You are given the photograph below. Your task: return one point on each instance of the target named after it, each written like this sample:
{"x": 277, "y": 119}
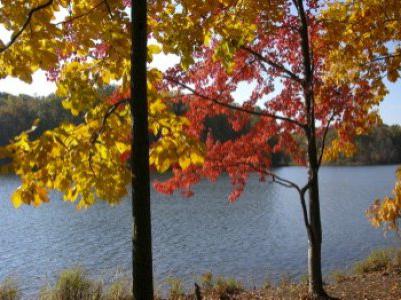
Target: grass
{"x": 176, "y": 290}
{"x": 9, "y": 290}
{"x": 380, "y": 273}
{"x": 73, "y": 284}
{"x": 338, "y": 276}
{"x": 378, "y": 260}
{"x": 119, "y": 290}
{"x": 220, "y": 287}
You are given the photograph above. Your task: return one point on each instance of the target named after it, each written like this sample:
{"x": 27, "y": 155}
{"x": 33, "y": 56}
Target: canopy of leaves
{"x": 224, "y": 44}
{"x": 84, "y": 46}
{"x": 259, "y": 45}
{"x": 366, "y": 36}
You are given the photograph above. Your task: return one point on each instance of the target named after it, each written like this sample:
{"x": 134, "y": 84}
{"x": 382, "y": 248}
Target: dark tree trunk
{"x": 141, "y": 234}
{"x": 316, "y": 289}
{"x": 314, "y": 226}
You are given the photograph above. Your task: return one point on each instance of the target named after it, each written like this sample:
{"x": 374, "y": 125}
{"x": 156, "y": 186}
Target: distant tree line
{"x": 381, "y": 146}
{"x": 17, "y": 113}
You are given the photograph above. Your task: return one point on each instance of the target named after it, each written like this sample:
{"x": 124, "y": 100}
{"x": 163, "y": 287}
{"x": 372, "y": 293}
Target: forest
{"x": 381, "y": 145}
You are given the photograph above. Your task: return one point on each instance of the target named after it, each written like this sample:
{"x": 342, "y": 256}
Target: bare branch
{"x": 25, "y": 25}
{"x": 290, "y": 184}
{"x": 234, "y": 107}
{"x": 326, "y": 130}
{"x": 275, "y": 65}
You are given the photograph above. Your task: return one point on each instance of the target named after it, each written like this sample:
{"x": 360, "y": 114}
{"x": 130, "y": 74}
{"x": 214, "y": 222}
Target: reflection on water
{"x": 259, "y": 236}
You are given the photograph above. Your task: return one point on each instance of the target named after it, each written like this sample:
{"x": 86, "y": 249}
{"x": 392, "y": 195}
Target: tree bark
{"x": 142, "y": 272}
{"x": 315, "y": 287}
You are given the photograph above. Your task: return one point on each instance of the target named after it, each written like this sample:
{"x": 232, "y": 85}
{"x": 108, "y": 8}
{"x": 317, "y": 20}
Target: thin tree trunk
{"x": 142, "y": 272}
{"x": 316, "y": 289}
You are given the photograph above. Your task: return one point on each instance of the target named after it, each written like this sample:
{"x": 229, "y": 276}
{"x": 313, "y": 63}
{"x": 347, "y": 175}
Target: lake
{"x": 260, "y": 236}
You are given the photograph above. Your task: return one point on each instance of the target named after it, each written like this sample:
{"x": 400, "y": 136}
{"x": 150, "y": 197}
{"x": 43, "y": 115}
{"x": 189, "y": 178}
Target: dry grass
{"x": 9, "y": 290}
{"x": 378, "y": 260}
{"x": 377, "y": 277}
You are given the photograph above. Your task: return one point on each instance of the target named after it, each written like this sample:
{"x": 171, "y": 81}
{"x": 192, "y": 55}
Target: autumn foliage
{"x": 283, "y": 73}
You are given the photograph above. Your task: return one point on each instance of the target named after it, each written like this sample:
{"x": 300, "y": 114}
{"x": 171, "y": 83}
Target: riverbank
{"x": 376, "y": 277}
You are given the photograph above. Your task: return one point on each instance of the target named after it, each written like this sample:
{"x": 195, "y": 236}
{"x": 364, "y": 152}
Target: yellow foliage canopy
{"x": 85, "y": 47}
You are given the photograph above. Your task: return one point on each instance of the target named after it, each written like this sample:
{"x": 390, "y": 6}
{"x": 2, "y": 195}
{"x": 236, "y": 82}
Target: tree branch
{"x": 234, "y": 107}
{"x": 25, "y": 25}
{"x": 290, "y": 184}
{"x": 106, "y": 2}
{"x": 106, "y": 116}
{"x": 73, "y": 18}
{"x": 326, "y": 130}
{"x": 275, "y": 65}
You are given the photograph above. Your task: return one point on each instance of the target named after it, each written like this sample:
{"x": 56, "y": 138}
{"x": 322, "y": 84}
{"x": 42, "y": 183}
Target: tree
{"x": 222, "y": 44}
{"x": 369, "y": 45}
{"x": 280, "y": 50}
{"x": 142, "y": 231}
{"x": 89, "y": 161}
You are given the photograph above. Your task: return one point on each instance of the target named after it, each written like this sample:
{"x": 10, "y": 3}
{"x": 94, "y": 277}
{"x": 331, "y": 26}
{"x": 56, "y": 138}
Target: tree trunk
{"x": 141, "y": 234}
{"x": 316, "y": 289}
{"x": 314, "y": 226}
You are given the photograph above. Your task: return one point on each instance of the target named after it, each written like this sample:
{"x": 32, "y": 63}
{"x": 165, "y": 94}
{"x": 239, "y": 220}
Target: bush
{"x": 73, "y": 284}
{"x": 378, "y": 260}
{"x": 9, "y": 290}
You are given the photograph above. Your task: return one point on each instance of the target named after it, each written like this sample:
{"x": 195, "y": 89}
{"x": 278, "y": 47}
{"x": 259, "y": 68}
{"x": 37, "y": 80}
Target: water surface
{"x": 259, "y": 236}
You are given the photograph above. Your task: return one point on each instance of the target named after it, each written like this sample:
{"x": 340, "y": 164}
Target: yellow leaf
{"x": 184, "y": 162}
{"x": 16, "y": 198}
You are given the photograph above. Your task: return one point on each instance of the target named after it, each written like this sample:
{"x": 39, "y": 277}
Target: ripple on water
{"x": 259, "y": 236}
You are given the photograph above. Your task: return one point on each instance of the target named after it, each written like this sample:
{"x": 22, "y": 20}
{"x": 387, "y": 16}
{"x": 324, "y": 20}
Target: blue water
{"x": 260, "y": 236}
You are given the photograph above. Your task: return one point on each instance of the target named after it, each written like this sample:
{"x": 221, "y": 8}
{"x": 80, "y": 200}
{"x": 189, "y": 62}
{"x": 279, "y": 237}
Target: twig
{"x": 26, "y": 23}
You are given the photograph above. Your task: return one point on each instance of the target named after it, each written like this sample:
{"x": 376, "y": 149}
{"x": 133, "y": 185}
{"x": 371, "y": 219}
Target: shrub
{"x": 9, "y": 290}
{"x": 378, "y": 260}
